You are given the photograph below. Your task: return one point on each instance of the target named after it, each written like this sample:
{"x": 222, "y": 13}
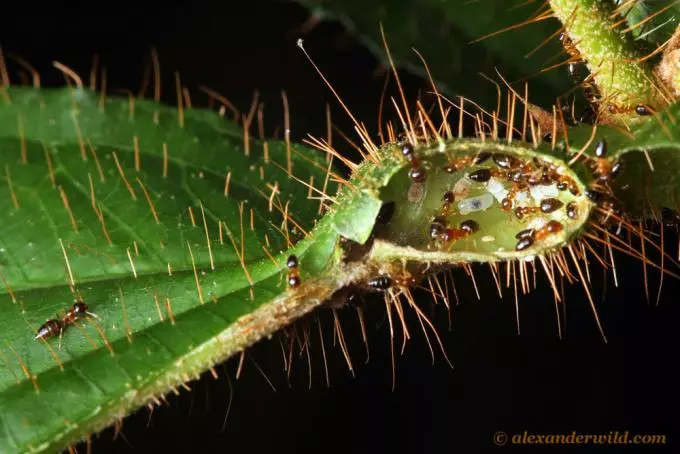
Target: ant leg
{"x": 60, "y": 334}
{"x": 92, "y": 314}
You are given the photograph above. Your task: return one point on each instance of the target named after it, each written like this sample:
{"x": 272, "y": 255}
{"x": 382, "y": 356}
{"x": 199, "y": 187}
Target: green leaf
{"x": 654, "y": 21}
{"x": 153, "y": 247}
{"x": 650, "y": 154}
{"x": 182, "y": 276}
{"x": 443, "y": 31}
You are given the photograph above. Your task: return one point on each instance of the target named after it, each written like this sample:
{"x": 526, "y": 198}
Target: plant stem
{"x": 600, "y": 35}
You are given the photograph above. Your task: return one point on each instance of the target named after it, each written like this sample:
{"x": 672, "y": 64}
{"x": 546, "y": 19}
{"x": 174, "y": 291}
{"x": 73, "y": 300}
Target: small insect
{"x": 643, "y": 110}
{"x": 601, "y": 148}
{"x": 572, "y": 210}
{"x": 506, "y": 161}
{"x": 469, "y": 226}
{"x": 56, "y": 327}
{"x": 293, "y": 272}
{"x": 522, "y": 212}
{"x": 417, "y": 172}
{"x": 526, "y": 233}
{"x": 509, "y": 199}
{"x": 451, "y": 235}
{"x": 566, "y": 183}
{"x": 480, "y": 176}
{"x": 437, "y": 227}
{"x": 78, "y": 311}
{"x": 466, "y": 161}
{"x": 601, "y": 167}
{"x": 550, "y": 205}
{"x": 380, "y": 283}
{"x": 50, "y": 328}
{"x": 448, "y": 199}
{"x": 548, "y": 229}
{"x": 640, "y": 109}
{"x": 524, "y": 243}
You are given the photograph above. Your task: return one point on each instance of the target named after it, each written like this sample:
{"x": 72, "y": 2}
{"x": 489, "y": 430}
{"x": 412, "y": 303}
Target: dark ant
{"x": 55, "y": 327}
{"x": 448, "y": 199}
{"x": 572, "y": 210}
{"x": 481, "y": 175}
{"x": 509, "y": 199}
{"x": 505, "y": 161}
{"x": 380, "y": 283}
{"x": 293, "y": 272}
{"x": 417, "y": 172}
{"x": 640, "y": 109}
{"x": 546, "y": 206}
{"x": 602, "y": 168}
{"x": 550, "y": 205}
{"x": 527, "y": 237}
{"x": 437, "y": 227}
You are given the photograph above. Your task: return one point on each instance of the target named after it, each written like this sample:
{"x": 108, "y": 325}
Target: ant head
{"x": 292, "y": 262}
{"x": 79, "y": 308}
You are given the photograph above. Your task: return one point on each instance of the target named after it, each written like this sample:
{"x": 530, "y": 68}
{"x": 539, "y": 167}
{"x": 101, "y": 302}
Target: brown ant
{"x": 603, "y": 168}
{"x": 567, "y": 183}
{"x": 509, "y": 199}
{"x": 522, "y": 212}
{"x": 640, "y": 109}
{"x": 466, "y": 161}
{"x": 528, "y": 237}
{"x": 293, "y": 272}
{"x": 451, "y": 235}
{"x": 572, "y": 210}
{"x": 417, "y": 172}
{"x": 55, "y": 327}
{"x": 546, "y": 206}
{"x": 448, "y": 199}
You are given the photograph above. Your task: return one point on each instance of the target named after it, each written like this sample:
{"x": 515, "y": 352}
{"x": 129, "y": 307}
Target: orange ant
{"x": 640, "y": 109}
{"x": 509, "y": 199}
{"x": 466, "y": 161}
{"x": 448, "y": 199}
{"x": 293, "y": 272}
{"x": 528, "y": 237}
{"x": 602, "y": 167}
{"x": 546, "y": 206}
{"x": 56, "y": 327}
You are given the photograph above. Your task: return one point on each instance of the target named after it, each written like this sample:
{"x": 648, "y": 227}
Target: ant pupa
{"x": 293, "y": 272}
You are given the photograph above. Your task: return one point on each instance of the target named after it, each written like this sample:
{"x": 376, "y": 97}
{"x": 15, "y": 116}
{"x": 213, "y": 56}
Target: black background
{"x": 501, "y": 381}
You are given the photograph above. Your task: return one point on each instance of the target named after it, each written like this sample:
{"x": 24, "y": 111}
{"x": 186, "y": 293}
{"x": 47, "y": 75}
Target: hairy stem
{"x": 600, "y": 35}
